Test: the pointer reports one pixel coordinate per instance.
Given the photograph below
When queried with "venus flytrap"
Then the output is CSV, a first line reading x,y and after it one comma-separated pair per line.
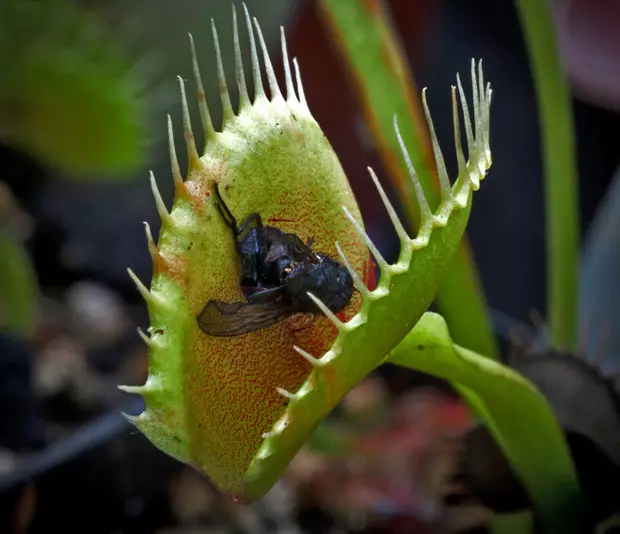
x,y
240,408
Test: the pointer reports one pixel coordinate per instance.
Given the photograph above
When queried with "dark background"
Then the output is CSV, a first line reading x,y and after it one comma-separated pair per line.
x,y
94,475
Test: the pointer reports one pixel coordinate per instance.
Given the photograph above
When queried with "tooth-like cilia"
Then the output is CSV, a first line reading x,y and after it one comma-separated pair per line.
x,y
227,110
398,225
426,216
467,121
174,162
288,78
203,108
328,313
307,356
360,285
147,340
159,202
259,90
271,76
244,99
441,164
239,408
192,153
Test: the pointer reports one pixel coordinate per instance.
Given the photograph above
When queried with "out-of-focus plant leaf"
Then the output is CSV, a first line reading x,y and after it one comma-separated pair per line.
x,y
599,302
515,412
557,132
18,288
68,94
385,87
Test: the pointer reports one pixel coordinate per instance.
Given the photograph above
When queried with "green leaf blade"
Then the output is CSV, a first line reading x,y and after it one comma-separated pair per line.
x,y
515,412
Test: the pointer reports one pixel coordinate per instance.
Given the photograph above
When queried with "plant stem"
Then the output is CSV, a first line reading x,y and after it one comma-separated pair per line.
x,y
561,208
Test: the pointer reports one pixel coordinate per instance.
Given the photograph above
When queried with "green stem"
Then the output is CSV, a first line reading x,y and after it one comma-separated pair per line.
x,y
557,130
515,412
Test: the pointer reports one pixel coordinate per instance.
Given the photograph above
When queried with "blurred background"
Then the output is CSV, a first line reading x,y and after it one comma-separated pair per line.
x,y
85,87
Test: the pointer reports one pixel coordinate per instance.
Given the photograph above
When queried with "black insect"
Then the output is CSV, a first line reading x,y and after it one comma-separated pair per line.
x,y
278,270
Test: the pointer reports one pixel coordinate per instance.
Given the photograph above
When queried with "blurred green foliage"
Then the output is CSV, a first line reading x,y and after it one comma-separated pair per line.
x,y
68,94
18,288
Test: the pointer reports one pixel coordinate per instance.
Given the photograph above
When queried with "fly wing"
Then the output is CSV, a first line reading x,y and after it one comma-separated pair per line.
x,y
225,319
277,251
300,250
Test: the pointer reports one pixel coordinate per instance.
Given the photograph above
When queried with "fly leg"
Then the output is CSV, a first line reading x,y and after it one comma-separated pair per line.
x,y
228,217
263,296
252,217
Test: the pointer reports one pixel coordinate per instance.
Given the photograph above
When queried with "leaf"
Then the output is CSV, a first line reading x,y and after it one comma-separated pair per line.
x,y
599,305
18,288
515,412
68,94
